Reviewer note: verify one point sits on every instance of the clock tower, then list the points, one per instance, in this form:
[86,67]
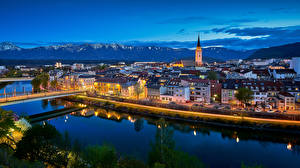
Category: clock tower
[198,54]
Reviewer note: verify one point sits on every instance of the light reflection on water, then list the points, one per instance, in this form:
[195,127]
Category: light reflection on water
[132,134]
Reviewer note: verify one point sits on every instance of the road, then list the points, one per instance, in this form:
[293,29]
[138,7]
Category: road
[204,115]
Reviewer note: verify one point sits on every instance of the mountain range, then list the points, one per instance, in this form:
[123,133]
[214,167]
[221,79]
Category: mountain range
[283,51]
[119,52]
[114,52]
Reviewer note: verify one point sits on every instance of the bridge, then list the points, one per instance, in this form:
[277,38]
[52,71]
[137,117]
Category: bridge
[37,96]
[52,114]
[15,79]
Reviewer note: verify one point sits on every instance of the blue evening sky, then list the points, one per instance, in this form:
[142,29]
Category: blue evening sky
[176,23]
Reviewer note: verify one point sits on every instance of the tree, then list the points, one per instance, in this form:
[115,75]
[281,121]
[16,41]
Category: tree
[129,162]
[44,80]
[36,83]
[40,143]
[138,90]
[158,165]
[212,75]
[101,156]
[8,160]
[54,84]
[253,166]
[163,153]
[6,125]
[244,95]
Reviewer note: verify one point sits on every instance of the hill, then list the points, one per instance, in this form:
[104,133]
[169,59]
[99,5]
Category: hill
[283,51]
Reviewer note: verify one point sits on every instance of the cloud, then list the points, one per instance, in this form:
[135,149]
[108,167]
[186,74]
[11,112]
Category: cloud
[206,20]
[271,32]
[181,31]
[237,43]
[262,37]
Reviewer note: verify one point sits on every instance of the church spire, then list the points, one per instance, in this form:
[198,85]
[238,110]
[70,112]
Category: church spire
[198,53]
[198,45]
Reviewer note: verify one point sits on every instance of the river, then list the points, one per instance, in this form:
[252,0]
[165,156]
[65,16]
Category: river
[133,134]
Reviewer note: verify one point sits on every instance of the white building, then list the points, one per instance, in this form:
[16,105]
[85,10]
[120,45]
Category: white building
[179,94]
[284,73]
[199,90]
[295,64]
[77,66]
[260,62]
[174,91]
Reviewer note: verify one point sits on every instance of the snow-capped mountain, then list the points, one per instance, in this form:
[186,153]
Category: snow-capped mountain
[8,46]
[112,52]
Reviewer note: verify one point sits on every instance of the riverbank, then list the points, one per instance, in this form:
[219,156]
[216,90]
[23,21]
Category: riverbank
[243,122]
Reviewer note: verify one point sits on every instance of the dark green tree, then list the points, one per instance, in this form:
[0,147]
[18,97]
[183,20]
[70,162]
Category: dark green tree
[163,151]
[252,166]
[36,83]
[6,124]
[130,162]
[100,156]
[45,80]
[212,75]
[41,143]
[244,95]
[54,84]
[138,90]
[158,165]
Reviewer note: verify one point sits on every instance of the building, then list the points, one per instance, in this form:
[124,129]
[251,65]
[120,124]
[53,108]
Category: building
[295,64]
[284,73]
[121,86]
[153,89]
[229,89]
[198,54]
[77,66]
[55,74]
[292,87]
[200,90]
[174,91]
[58,65]
[86,81]
[286,101]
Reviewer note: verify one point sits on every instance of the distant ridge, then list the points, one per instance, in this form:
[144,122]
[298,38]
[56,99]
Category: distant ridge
[119,52]
[283,51]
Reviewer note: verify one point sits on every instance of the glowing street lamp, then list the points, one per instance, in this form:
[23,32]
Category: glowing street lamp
[289,146]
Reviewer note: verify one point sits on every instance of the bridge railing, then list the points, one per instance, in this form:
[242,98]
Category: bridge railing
[36,95]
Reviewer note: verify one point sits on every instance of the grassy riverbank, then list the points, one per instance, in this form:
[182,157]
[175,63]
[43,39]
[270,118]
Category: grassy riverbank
[190,116]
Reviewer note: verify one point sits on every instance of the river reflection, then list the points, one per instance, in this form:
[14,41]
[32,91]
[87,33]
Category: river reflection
[216,146]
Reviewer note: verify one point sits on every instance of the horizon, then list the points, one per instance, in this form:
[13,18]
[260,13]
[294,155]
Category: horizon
[176,24]
[149,44]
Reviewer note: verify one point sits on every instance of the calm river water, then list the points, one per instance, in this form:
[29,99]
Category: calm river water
[132,135]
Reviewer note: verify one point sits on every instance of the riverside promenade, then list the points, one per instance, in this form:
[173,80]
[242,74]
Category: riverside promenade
[198,115]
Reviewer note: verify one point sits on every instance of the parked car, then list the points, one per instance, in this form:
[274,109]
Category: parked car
[258,110]
[216,107]
[172,103]
[195,105]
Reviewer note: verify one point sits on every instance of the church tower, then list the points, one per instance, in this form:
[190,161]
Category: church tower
[198,54]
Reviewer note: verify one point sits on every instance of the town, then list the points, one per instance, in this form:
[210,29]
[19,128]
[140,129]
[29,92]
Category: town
[257,85]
